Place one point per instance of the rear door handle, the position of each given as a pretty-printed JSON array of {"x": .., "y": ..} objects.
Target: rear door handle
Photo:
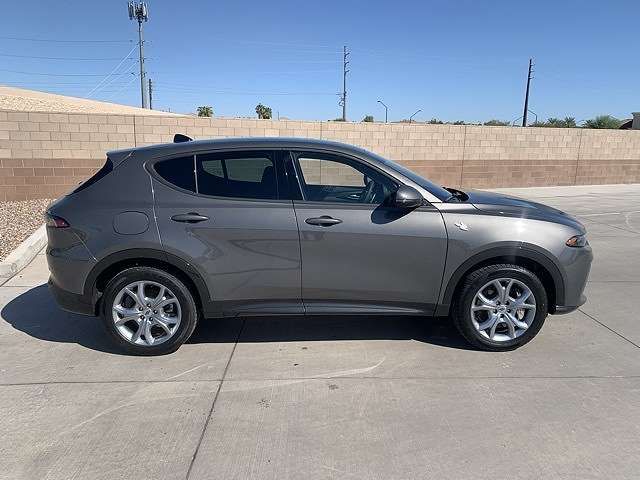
[
  {"x": 323, "y": 221},
  {"x": 191, "y": 217}
]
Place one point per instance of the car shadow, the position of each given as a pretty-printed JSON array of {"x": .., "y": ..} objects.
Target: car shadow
[{"x": 35, "y": 313}]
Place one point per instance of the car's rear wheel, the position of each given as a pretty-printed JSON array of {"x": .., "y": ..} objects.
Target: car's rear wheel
[
  {"x": 500, "y": 307},
  {"x": 148, "y": 311}
]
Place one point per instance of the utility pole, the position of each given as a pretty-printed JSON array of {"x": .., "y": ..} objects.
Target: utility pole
[
  {"x": 343, "y": 99},
  {"x": 150, "y": 95},
  {"x": 139, "y": 12},
  {"x": 526, "y": 95}
]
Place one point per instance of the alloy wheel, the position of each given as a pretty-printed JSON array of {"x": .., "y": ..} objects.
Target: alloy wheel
[
  {"x": 146, "y": 313},
  {"x": 503, "y": 309}
]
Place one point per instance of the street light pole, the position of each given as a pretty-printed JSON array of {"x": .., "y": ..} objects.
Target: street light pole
[
  {"x": 386, "y": 111},
  {"x": 411, "y": 117}
]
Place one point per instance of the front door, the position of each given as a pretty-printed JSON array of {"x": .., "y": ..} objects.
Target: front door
[
  {"x": 225, "y": 213},
  {"x": 359, "y": 254}
]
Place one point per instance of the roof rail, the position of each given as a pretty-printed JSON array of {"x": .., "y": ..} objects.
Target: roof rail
[{"x": 179, "y": 138}]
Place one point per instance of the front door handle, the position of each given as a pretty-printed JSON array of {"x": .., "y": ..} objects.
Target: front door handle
[
  {"x": 323, "y": 221},
  {"x": 191, "y": 217}
]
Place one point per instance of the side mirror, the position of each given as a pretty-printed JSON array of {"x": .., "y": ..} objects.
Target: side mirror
[{"x": 407, "y": 197}]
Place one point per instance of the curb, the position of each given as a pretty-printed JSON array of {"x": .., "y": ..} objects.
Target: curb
[{"x": 23, "y": 254}]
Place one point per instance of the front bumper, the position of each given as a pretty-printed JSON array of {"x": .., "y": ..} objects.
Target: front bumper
[
  {"x": 577, "y": 265},
  {"x": 562, "y": 309}
]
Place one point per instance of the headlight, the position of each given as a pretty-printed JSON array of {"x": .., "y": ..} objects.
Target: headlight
[{"x": 577, "y": 241}]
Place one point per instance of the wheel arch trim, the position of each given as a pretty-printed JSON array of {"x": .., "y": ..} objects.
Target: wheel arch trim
[
  {"x": 90, "y": 285},
  {"x": 524, "y": 251}
]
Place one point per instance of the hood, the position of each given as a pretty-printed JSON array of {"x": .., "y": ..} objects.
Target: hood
[{"x": 498, "y": 204}]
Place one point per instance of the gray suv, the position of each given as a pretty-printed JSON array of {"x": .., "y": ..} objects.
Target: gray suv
[{"x": 165, "y": 235}]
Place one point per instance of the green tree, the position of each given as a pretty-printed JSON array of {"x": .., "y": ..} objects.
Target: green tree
[
  {"x": 435, "y": 121},
  {"x": 603, "y": 121},
  {"x": 205, "y": 111},
  {"x": 263, "y": 111},
  {"x": 459, "y": 122},
  {"x": 566, "y": 122},
  {"x": 496, "y": 123},
  {"x": 368, "y": 118}
]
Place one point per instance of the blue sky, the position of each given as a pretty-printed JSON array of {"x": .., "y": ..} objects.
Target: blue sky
[{"x": 455, "y": 60}]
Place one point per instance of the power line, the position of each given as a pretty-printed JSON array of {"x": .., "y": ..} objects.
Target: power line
[
  {"x": 48, "y": 82},
  {"x": 59, "y": 74},
  {"x": 112, "y": 73},
  {"x": 124, "y": 87},
  {"x": 213, "y": 90},
  {"x": 52, "y": 40},
  {"x": 58, "y": 58}
]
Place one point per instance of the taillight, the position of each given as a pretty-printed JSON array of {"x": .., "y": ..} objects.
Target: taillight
[{"x": 54, "y": 221}]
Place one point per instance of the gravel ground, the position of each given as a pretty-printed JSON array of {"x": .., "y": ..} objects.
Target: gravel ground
[
  {"x": 24, "y": 100},
  {"x": 19, "y": 220}
]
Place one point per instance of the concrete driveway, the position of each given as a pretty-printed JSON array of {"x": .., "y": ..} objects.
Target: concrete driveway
[{"x": 387, "y": 398}]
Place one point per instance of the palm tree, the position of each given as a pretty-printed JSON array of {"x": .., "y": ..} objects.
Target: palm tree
[
  {"x": 263, "y": 111},
  {"x": 603, "y": 121},
  {"x": 205, "y": 111}
]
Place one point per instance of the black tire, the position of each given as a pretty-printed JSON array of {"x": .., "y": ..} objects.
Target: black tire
[
  {"x": 188, "y": 309},
  {"x": 461, "y": 314}
]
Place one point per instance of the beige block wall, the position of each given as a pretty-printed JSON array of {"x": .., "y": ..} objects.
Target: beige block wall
[{"x": 46, "y": 154}]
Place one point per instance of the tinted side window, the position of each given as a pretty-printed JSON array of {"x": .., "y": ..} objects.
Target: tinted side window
[
  {"x": 106, "y": 169},
  {"x": 178, "y": 171},
  {"x": 329, "y": 178},
  {"x": 238, "y": 175}
]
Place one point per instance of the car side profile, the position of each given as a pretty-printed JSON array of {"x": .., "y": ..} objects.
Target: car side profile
[{"x": 164, "y": 236}]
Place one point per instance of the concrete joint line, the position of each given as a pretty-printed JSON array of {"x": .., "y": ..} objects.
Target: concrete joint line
[
  {"x": 609, "y": 328},
  {"x": 213, "y": 403}
]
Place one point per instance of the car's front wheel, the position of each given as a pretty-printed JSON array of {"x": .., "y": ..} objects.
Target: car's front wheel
[
  {"x": 148, "y": 311},
  {"x": 500, "y": 307}
]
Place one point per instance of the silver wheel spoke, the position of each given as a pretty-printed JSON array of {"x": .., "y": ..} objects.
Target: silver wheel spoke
[
  {"x": 475, "y": 308},
  {"x": 518, "y": 323},
  {"x": 500, "y": 289},
  {"x": 492, "y": 332},
  {"x": 489, "y": 323},
  {"x": 128, "y": 318},
  {"x": 510, "y": 326},
  {"x": 133, "y": 295},
  {"x": 166, "y": 302},
  {"x": 485, "y": 300},
  {"x": 159, "y": 297},
  {"x": 147, "y": 333},
  {"x": 136, "y": 336},
  {"x": 140, "y": 291},
  {"x": 163, "y": 324},
  {"x": 126, "y": 311},
  {"x": 507, "y": 291}
]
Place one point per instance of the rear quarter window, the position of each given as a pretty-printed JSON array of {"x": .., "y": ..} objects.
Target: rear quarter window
[
  {"x": 106, "y": 169},
  {"x": 178, "y": 171}
]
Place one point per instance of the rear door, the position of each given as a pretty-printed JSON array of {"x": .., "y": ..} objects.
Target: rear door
[
  {"x": 224, "y": 212},
  {"x": 358, "y": 253}
]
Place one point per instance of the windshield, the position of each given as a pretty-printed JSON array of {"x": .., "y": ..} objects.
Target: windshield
[{"x": 433, "y": 188}]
